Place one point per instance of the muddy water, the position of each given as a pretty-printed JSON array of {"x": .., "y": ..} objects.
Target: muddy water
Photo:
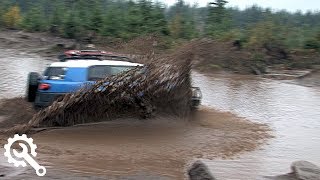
[
  {"x": 292, "y": 110},
  {"x": 14, "y": 69},
  {"x": 161, "y": 146}
]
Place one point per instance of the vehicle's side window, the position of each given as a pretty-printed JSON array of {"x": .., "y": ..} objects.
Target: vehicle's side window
[
  {"x": 119, "y": 69},
  {"x": 55, "y": 73},
  {"x": 100, "y": 72}
]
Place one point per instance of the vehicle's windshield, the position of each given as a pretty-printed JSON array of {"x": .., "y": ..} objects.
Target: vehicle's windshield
[
  {"x": 55, "y": 73},
  {"x": 100, "y": 72}
]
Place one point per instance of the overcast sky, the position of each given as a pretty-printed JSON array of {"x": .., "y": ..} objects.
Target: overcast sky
[{"x": 290, "y": 5}]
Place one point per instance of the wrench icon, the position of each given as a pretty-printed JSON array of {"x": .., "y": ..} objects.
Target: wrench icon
[{"x": 40, "y": 170}]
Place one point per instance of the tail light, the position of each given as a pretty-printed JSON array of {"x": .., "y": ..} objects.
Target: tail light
[{"x": 44, "y": 86}]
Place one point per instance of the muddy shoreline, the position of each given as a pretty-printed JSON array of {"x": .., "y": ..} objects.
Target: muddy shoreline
[
  {"x": 210, "y": 56},
  {"x": 42, "y": 44}
]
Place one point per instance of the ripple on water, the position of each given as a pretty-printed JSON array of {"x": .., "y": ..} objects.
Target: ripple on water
[{"x": 292, "y": 110}]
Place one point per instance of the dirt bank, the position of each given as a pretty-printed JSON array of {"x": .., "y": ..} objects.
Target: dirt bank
[
  {"x": 161, "y": 146},
  {"x": 210, "y": 55},
  {"x": 49, "y": 46},
  {"x": 312, "y": 80},
  {"x": 43, "y": 44}
]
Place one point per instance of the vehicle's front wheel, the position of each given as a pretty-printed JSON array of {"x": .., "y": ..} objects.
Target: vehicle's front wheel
[{"x": 32, "y": 86}]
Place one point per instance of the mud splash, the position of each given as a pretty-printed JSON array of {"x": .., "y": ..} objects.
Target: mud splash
[
  {"x": 15, "y": 111},
  {"x": 161, "y": 146},
  {"x": 164, "y": 83}
]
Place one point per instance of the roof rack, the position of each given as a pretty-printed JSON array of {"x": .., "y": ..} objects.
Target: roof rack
[
  {"x": 64, "y": 58},
  {"x": 91, "y": 54},
  {"x": 90, "y": 50}
]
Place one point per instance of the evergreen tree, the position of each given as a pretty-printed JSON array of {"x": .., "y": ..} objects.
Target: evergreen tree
[
  {"x": 158, "y": 22},
  {"x": 71, "y": 26},
  {"x": 34, "y": 19},
  {"x": 218, "y": 19},
  {"x": 182, "y": 23},
  {"x": 133, "y": 21},
  {"x": 145, "y": 13},
  {"x": 96, "y": 17},
  {"x": 113, "y": 22},
  {"x": 4, "y": 5},
  {"x": 56, "y": 18}
]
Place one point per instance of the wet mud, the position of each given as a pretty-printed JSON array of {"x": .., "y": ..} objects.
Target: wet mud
[
  {"x": 15, "y": 111},
  {"x": 43, "y": 44}
]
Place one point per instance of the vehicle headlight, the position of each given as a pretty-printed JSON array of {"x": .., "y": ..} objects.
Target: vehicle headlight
[{"x": 198, "y": 94}]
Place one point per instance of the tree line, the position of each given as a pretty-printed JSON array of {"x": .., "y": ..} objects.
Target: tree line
[{"x": 126, "y": 19}]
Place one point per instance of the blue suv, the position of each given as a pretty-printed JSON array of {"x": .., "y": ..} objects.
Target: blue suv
[
  {"x": 61, "y": 78},
  {"x": 70, "y": 74}
]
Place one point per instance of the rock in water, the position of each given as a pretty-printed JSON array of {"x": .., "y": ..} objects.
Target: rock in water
[
  {"x": 199, "y": 171},
  {"x": 305, "y": 170}
]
